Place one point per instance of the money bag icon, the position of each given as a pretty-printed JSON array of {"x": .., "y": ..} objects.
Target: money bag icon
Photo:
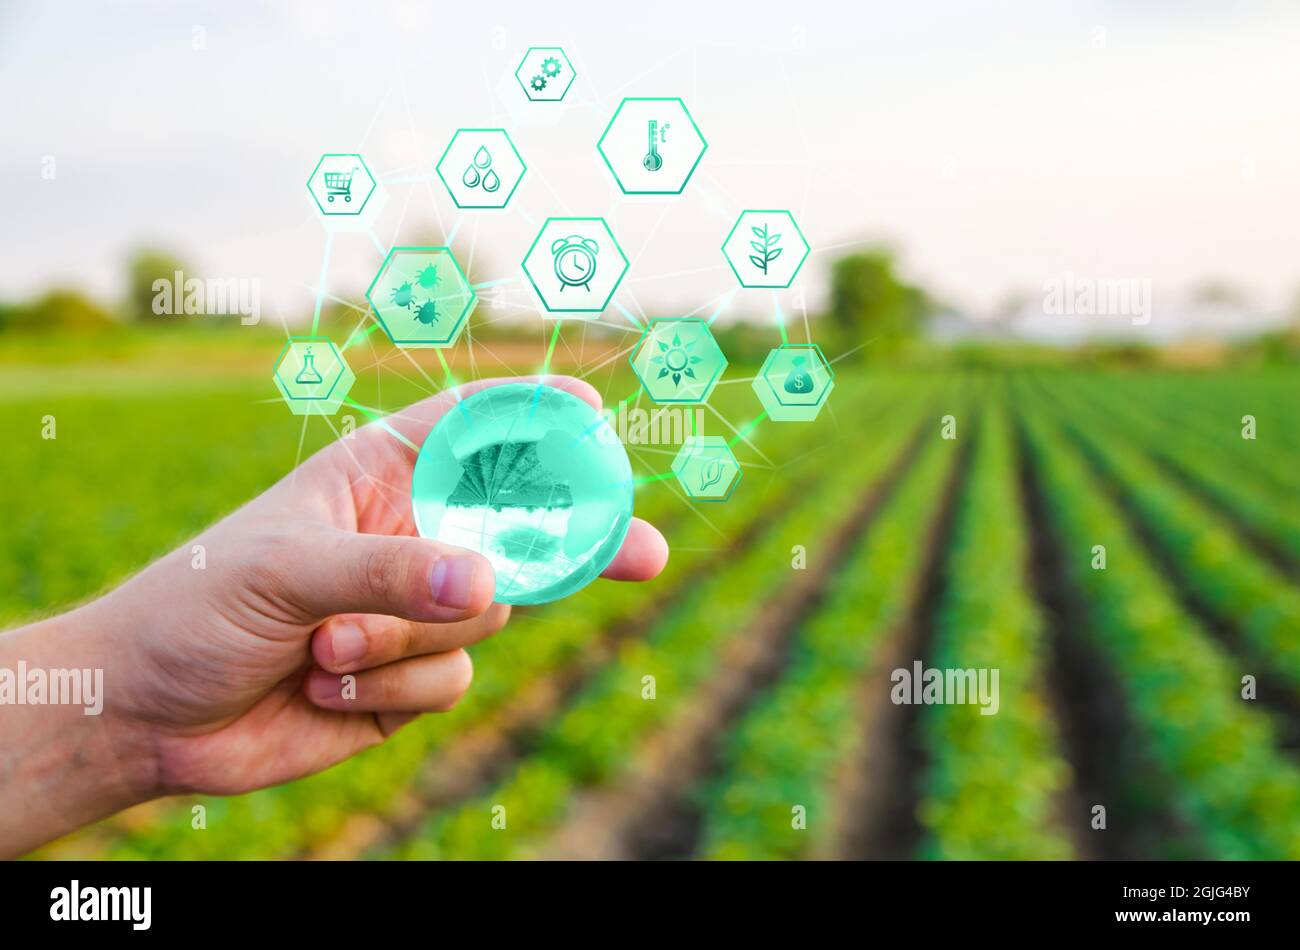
[{"x": 798, "y": 380}]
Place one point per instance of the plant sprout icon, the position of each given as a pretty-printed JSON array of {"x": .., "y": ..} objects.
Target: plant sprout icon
[
  {"x": 676, "y": 360},
  {"x": 479, "y": 173},
  {"x": 766, "y": 248}
]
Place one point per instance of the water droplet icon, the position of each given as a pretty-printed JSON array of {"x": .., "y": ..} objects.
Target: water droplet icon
[{"x": 474, "y": 172}]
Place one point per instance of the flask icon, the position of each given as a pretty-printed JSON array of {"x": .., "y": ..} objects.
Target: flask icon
[
  {"x": 798, "y": 380},
  {"x": 308, "y": 375}
]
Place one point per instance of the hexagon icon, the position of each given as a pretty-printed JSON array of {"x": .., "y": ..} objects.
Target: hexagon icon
[
  {"x": 794, "y": 382},
  {"x": 545, "y": 73},
  {"x": 481, "y": 168},
  {"x": 678, "y": 360},
  {"x": 312, "y": 376},
  {"x": 575, "y": 265},
  {"x": 421, "y": 297},
  {"x": 341, "y": 183},
  {"x": 765, "y": 249},
  {"x": 652, "y": 145},
  {"x": 706, "y": 468}
]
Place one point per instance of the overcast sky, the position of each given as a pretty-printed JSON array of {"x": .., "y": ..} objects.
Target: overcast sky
[{"x": 996, "y": 145}]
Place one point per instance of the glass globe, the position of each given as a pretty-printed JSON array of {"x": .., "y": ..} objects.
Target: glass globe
[{"x": 534, "y": 479}]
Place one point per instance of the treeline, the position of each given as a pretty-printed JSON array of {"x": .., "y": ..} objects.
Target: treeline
[
  {"x": 872, "y": 314},
  {"x": 67, "y": 310},
  {"x": 868, "y": 302}
]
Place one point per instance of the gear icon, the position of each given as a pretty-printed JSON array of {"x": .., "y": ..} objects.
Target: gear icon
[
  {"x": 551, "y": 67},
  {"x": 538, "y": 83}
]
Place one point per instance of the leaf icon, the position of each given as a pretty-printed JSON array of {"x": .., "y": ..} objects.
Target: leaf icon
[
  {"x": 765, "y": 248},
  {"x": 712, "y": 474}
]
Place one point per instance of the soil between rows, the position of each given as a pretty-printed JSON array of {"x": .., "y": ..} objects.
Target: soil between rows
[
  {"x": 880, "y": 789},
  {"x": 1099, "y": 736}
]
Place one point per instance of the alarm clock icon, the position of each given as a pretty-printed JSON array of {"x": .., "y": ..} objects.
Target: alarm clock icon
[{"x": 575, "y": 260}]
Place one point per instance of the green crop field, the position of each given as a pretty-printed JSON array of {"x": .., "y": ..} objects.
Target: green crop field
[{"x": 1110, "y": 543}]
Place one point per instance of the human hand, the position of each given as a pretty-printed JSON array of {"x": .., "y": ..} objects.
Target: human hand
[{"x": 228, "y": 679}]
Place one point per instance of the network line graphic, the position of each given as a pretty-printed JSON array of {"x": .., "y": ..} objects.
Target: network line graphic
[{"x": 574, "y": 276}]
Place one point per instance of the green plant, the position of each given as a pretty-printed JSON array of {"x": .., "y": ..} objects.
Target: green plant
[
  {"x": 993, "y": 779},
  {"x": 1232, "y": 781},
  {"x": 786, "y": 752},
  {"x": 766, "y": 248}
]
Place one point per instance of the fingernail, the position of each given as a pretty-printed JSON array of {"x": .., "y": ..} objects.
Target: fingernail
[
  {"x": 348, "y": 643},
  {"x": 452, "y": 581},
  {"x": 324, "y": 687}
]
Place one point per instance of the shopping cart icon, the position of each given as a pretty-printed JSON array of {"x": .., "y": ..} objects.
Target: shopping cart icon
[
  {"x": 341, "y": 173},
  {"x": 339, "y": 183}
]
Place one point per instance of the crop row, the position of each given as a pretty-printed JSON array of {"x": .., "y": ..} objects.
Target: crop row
[
  {"x": 1183, "y": 693},
  {"x": 1210, "y": 417},
  {"x": 993, "y": 779},
  {"x": 1221, "y": 399},
  {"x": 1262, "y": 508},
  {"x": 786, "y": 753},
  {"x": 1237, "y": 585}
]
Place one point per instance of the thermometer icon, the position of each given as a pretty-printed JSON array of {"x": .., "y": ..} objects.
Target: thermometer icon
[{"x": 653, "y": 161}]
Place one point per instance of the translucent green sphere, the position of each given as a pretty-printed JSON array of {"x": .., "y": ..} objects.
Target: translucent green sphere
[{"x": 534, "y": 479}]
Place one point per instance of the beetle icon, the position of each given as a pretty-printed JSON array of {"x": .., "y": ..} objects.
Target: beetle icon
[{"x": 575, "y": 260}]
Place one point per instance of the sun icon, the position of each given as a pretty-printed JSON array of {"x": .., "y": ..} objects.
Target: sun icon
[{"x": 676, "y": 359}]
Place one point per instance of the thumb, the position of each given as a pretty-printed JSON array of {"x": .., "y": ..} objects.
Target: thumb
[{"x": 412, "y": 578}]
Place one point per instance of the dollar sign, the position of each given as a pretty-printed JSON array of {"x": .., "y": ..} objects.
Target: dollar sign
[{"x": 798, "y": 381}]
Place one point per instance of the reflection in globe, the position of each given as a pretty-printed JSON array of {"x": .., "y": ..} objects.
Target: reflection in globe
[{"x": 531, "y": 477}]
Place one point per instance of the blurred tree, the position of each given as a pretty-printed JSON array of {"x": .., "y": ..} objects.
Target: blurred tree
[
  {"x": 869, "y": 302},
  {"x": 1116, "y": 353},
  {"x": 57, "y": 310},
  {"x": 1014, "y": 304},
  {"x": 1216, "y": 292},
  {"x": 1279, "y": 346},
  {"x": 746, "y": 341},
  {"x": 146, "y": 266}
]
